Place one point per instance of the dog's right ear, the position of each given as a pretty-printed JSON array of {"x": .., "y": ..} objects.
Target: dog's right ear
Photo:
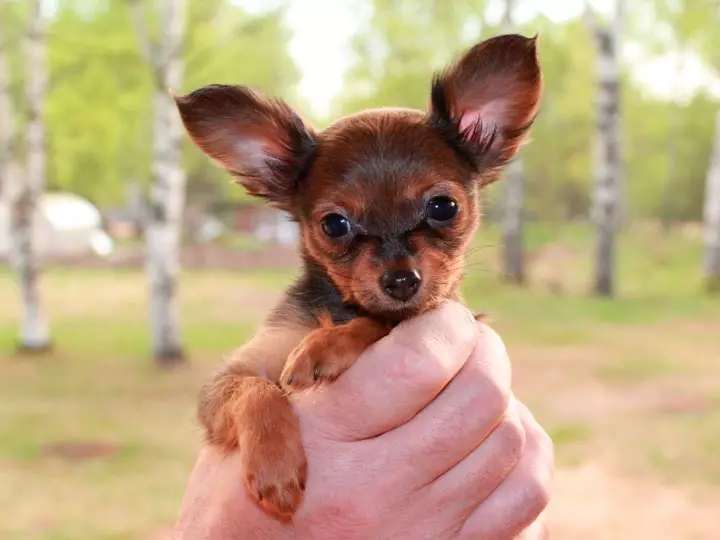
[
  {"x": 260, "y": 141},
  {"x": 485, "y": 102}
]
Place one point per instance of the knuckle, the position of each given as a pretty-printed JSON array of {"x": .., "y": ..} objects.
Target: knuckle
[
  {"x": 545, "y": 443},
  {"x": 495, "y": 397},
  {"x": 458, "y": 324},
  {"x": 492, "y": 366},
  {"x": 539, "y": 481},
  {"x": 419, "y": 361},
  {"x": 543, "y": 449},
  {"x": 513, "y": 436},
  {"x": 539, "y": 530},
  {"x": 450, "y": 325},
  {"x": 537, "y": 495}
]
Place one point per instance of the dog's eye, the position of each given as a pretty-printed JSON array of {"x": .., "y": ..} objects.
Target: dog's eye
[
  {"x": 441, "y": 208},
  {"x": 335, "y": 225}
]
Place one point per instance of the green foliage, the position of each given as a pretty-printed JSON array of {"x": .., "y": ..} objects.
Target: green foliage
[
  {"x": 99, "y": 105},
  {"x": 99, "y": 109},
  {"x": 13, "y": 19},
  {"x": 226, "y": 45},
  {"x": 665, "y": 146},
  {"x": 404, "y": 43},
  {"x": 668, "y": 151},
  {"x": 694, "y": 25},
  {"x": 557, "y": 159}
]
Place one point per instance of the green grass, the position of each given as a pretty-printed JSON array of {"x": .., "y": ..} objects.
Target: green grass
[
  {"x": 633, "y": 382},
  {"x": 638, "y": 369},
  {"x": 567, "y": 434},
  {"x": 657, "y": 279}
]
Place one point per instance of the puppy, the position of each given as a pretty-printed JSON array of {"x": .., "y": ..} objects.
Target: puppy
[{"x": 387, "y": 205}]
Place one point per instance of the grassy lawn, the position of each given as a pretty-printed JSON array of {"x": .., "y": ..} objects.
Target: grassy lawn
[{"x": 628, "y": 387}]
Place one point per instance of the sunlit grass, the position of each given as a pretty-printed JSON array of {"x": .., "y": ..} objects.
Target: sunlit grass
[{"x": 634, "y": 381}]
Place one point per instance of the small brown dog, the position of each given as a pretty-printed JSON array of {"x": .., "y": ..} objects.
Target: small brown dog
[{"x": 387, "y": 203}]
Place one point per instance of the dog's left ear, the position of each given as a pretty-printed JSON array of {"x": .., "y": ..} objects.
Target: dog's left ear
[
  {"x": 262, "y": 142},
  {"x": 484, "y": 103}
]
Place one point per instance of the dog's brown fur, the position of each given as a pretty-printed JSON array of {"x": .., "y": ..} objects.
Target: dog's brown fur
[{"x": 378, "y": 170}]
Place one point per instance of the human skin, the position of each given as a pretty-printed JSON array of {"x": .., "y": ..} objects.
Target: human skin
[{"x": 421, "y": 438}]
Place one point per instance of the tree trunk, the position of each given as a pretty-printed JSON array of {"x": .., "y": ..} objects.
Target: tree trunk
[
  {"x": 7, "y": 127},
  {"x": 512, "y": 223},
  {"x": 167, "y": 196},
  {"x": 667, "y": 206},
  {"x": 514, "y": 253},
  {"x": 712, "y": 214},
  {"x": 608, "y": 169},
  {"x": 667, "y": 217},
  {"x": 34, "y": 333}
]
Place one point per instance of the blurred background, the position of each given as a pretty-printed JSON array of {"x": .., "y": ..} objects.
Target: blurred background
[{"x": 130, "y": 263}]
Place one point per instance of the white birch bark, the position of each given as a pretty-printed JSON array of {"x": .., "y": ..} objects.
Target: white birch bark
[
  {"x": 608, "y": 167},
  {"x": 512, "y": 223},
  {"x": 712, "y": 214},
  {"x": 167, "y": 197},
  {"x": 26, "y": 189},
  {"x": 7, "y": 126}
]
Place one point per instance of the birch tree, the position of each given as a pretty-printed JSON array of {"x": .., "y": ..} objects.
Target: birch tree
[
  {"x": 607, "y": 194},
  {"x": 512, "y": 224},
  {"x": 167, "y": 195},
  {"x": 708, "y": 12},
  {"x": 7, "y": 130},
  {"x": 25, "y": 188},
  {"x": 695, "y": 24},
  {"x": 712, "y": 214}
]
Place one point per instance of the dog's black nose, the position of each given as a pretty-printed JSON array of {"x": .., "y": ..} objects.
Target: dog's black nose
[{"x": 401, "y": 284}]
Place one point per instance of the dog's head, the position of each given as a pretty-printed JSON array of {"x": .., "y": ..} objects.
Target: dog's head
[{"x": 387, "y": 198}]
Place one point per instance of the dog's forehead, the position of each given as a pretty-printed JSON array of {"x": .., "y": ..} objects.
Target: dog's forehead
[
  {"x": 376, "y": 115},
  {"x": 379, "y": 163},
  {"x": 374, "y": 130},
  {"x": 380, "y": 146}
]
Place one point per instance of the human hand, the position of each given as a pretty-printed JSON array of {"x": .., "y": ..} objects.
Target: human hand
[{"x": 421, "y": 438}]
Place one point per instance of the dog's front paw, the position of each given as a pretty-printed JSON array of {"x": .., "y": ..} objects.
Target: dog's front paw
[
  {"x": 323, "y": 355},
  {"x": 277, "y": 484},
  {"x": 273, "y": 455},
  {"x": 326, "y": 353}
]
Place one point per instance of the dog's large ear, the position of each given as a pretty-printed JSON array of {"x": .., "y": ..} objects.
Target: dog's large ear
[
  {"x": 262, "y": 142},
  {"x": 484, "y": 103}
]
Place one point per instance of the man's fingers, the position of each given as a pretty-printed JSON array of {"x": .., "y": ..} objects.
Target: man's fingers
[
  {"x": 520, "y": 500},
  {"x": 471, "y": 481},
  {"x": 462, "y": 416},
  {"x": 396, "y": 377},
  {"x": 537, "y": 531}
]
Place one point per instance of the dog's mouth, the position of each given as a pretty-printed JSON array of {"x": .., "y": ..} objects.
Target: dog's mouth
[
  {"x": 394, "y": 294},
  {"x": 398, "y": 315},
  {"x": 383, "y": 305}
]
